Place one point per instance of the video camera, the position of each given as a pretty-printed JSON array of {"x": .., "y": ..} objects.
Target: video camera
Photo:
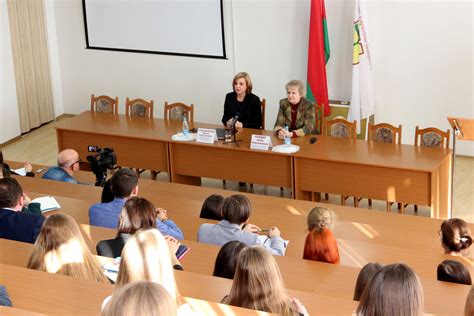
[{"x": 104, "y": 160}]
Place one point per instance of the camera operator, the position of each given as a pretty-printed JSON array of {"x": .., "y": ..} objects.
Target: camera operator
[{"x": 68, "y": 163}]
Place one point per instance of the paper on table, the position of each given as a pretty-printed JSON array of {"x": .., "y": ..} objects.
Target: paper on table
[
  {"x": 20, "y": 171},
  {"x": 47, "y": 203},
  {"x": 265, "y": 241}
]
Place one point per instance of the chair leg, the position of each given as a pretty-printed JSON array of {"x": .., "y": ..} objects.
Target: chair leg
[
  {"x": 154, "y": 174},
  {"x": 416, "y": 208},
  {"x": 326, "y": 196},
  {"x": 356, "y": 201},
  {"x": 401, "y": 208},
  {"x": 389, "y": 207},
  {"x": 343, "y": 200},
  {"x": 370, "y": 203},
  {"x": 251, "y": 185}
]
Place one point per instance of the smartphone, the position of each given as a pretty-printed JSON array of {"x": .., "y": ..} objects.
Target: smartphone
[{"x": 40, "y": 170}]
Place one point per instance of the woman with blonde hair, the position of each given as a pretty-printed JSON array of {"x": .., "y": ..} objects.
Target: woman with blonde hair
[
  {"x": 141, "y": 298},
  {"x": 61, "y": 249},
  {"x": 242, "y": 104},
  {"x": 147, "y": 257},
  {"x": 258, "y": 285},
  {"x": 456, "y": 237},
  {"x": 394, "y": 290},
  {"x": 321, "y": 217}
]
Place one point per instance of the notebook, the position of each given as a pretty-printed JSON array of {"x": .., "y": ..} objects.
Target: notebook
[{"x": 47, "y": 203}]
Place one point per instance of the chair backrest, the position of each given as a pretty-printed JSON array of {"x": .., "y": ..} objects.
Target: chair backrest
[
  {"x": 104, "y": 103},
  {"x": 385, "y": 133},
  {"x": 340, "y": 127},
  {"x": 263, "y": 104},
  {"x": 319, "y": 112},
  {"x": 175, "y": 111},
  {"x": 431, "y": 137},
  {"x": 139, "y": 107}
]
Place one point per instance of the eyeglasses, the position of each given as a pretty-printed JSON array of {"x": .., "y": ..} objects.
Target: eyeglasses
[{"x": 79, "y": 161}]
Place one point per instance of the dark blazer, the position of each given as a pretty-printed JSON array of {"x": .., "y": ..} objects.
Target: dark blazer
[
  {"x": 250, "y": 110},
  {"x": 20, "y": 226},
  {"x": 112, "y": 248}
]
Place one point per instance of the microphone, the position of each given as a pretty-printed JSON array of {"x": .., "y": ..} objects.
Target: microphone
[{"x": 235, "y": 119}]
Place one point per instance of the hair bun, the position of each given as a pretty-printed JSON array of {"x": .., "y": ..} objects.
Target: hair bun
[{"x": 465, "y": 241}]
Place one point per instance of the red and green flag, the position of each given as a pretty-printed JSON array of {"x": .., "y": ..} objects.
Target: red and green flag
[{"x": 318, "y": 55}]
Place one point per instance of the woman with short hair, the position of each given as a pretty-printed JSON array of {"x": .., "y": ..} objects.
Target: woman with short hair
[
  {"x": 296, "y": 112},
  {"x": 258, "y": 268},
  {"x": 394, "y": 290},
  {"x": 242, "y": 103},
  {"x": 454, "y": 272},
  {"x": 61, "y": 249},
  {"x": 226, "y": 259}
]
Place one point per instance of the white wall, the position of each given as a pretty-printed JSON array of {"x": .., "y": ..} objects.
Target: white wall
[{"x": 9, "y": 119}]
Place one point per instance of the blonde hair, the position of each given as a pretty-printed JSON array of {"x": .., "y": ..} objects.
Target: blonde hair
[
  {"x": 146, "y": 257},
  {"x": 61, "y": 249},
  {"x": 258, "y": 283},
  {"x": 141, "y": 298},
  {"x": 246, "y": 77},
  {"x": 394, "y": 290},
  {"x": 321, "y": 217},
  {"x": 298, "y": 84}
]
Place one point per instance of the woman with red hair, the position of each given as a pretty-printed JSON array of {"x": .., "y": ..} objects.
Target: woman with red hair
[{"x": 321, "y": 245}]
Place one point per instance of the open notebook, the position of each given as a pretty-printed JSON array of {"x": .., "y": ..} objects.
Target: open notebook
[{"x": 47, "y": 203}]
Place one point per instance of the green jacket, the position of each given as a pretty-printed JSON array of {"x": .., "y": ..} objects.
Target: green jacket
[{"x": 305, "y": 117}]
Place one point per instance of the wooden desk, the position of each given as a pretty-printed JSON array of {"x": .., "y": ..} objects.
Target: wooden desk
[{"x": 395, "y": 173}]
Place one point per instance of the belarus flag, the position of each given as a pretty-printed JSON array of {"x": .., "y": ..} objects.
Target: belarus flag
[{"x": 318, "y": 55}]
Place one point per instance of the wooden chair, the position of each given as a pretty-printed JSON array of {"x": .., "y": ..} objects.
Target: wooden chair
[
  {"x": 175, "y": 111},
  {"x": 139, "y": 107},
  {"x": 104, "y": 103},
  {"x": 263, "y": 104},
  {"x": 319, "y": 111},
  {"x": 428, "y": 137},
  {"x": 340, "y": 127},
  {"x": 384, "y": 133}
]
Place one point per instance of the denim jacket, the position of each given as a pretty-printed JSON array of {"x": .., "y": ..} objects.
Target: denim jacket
[{"x": 59, "y": 174}]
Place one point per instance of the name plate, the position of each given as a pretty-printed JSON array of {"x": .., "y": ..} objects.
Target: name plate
[
  {"x": 206, "y": 135},
  {"x": 261, "y": 142}
]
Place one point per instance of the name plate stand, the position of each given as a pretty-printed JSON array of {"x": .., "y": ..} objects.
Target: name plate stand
[
  {"x": 206, "y": 135},
  {"x": 261, "y": 142}
]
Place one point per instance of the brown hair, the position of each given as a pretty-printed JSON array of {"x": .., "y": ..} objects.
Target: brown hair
[
  {"x": 321, "y": 217},
  {"x": 61, "y": 249},
  {"x": 321, "y": 245},
  {"x": 212, "y": 207},
  {"x": 365, "y": 276},
  {"x": 394, "y": 290},
  {"x": 137, "y": 213},
  {"x": 123, "y": 182},
  {"x": 226, "y": 259},
  {"x": 469, "y": 308},
  {"x": 10, "y": 192},
  {"x": 455, "y": 235},
  {"x": 141, "y": 298},
  {"x": 246, "y": 77},
  {"x": 453, "y": 271},
  {"x": 258, "y": 283},
  {"x": 236, "y": 209}
]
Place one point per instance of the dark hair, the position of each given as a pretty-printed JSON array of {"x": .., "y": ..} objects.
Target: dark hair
[
  {"x": 454, "y": 272},
  {"x": 236, "y": 209},
  {"x": 5, "y": 170},
  {"x": 107, "y": 194},
  {"x": 455, "y": 234},
  {"x": 10, "y": 192},
  {"x": 123, "y": 182},
  {"x": 394, "y": 290},
  {"x": 212, "y": 207},
  {"x": 1, "y": 157},
  {"x": 226, "y": 259},
  {"x": 321, "y": 245},
  {"x": 365, "y": 276},
  {"x": 137, "y": 213}
]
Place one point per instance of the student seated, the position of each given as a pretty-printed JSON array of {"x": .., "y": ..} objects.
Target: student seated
[
  {"x": 124, "y": 185},
  {"x": 258, "y": 268},
  {"x": 212, "y": 207},
  {"x": 393, "y": 291},
  {"x": 68, "y": 163},
  {"x": 137, "y": 214},
  {"x": 141, "y": 298},
  {"x": 14, "y": 224},
  {"x": 234, "y": 226},
  {"x": 321, "y": 217},
  {"x": 226, "y": 259},
  {"x": 61, "y": 249},
  {"x": 453, "y": 271},
  {"x": 5, "y": 170},
  {"x": 4, "y": 297},
  {"x": 365, "y": 276},
  {"x": 455, "y": 237},
  {"x": 321, "y": 245},
  {"x": 469, "y": 307},
  {"x": 28, "y": 206}
]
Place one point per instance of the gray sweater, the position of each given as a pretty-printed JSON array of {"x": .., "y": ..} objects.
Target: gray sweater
[{"x": 223, "y": 232}]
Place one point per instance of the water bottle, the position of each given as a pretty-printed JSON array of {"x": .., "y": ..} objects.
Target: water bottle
[
  {"x": 287, "y": 136},
  {"x": 185, "y": 127}
]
